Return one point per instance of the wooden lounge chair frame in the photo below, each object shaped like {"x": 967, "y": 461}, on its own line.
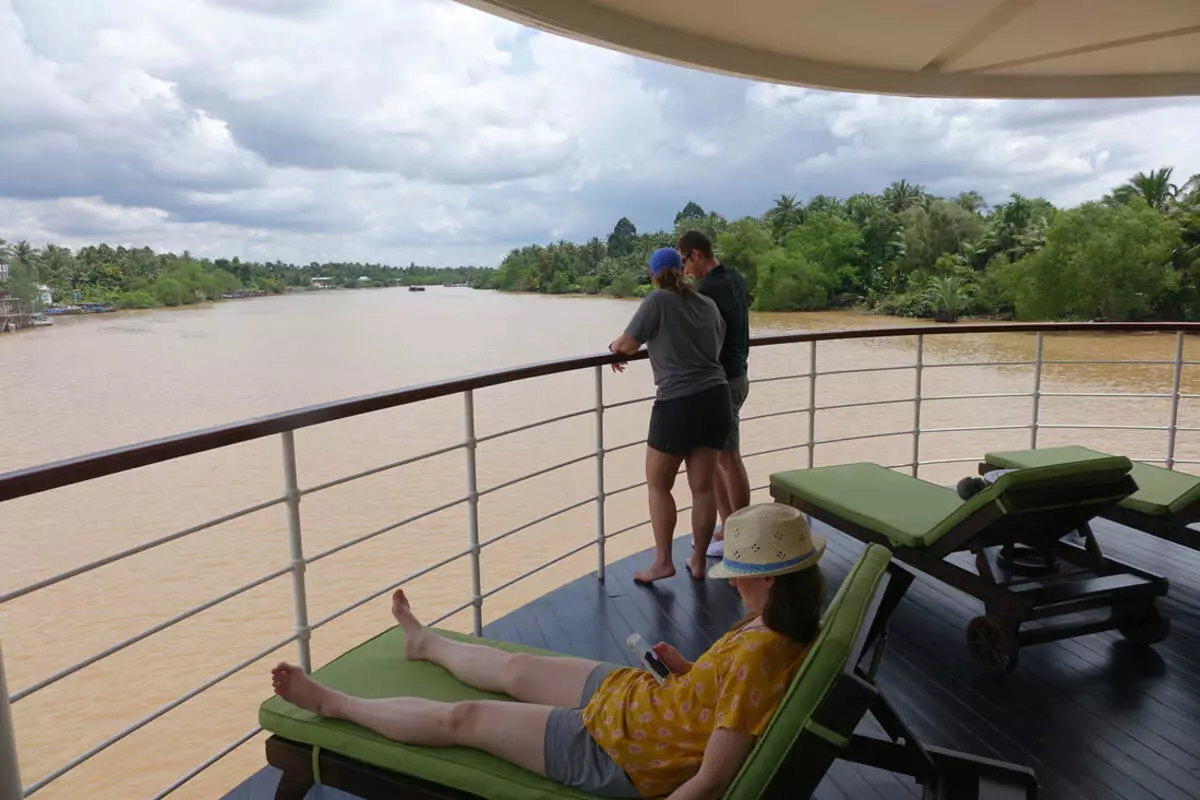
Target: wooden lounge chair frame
{"x": 1012, "y": 597}
{"x": 1172, "y": 528}
{"x": 829, "y": 735}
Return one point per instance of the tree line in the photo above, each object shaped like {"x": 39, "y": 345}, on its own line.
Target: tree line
{"x": 141, "y": 278}
{"x": 1133, "y": 254}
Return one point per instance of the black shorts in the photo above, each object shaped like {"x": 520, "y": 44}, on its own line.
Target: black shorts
{"x": 682, "y": 424}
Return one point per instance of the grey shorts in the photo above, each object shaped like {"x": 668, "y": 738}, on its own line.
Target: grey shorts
{"x": 573, "y": 758}
{"x": 739, "y": 390}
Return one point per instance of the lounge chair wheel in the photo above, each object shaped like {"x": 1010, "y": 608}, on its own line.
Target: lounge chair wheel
{"x": 993, "y": 643}
{"x": 1151, "y": 627}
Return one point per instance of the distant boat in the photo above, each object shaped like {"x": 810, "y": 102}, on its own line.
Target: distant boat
{"x": 416, "y": 288}
{"x": 40, "y": 321}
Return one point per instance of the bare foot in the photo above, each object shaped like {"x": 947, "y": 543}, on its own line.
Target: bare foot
{"x": 414, "y": 631}
{"x": 293, "y": 685}
{"x": 655, "y": 573}
{"x": 696, "y": 570}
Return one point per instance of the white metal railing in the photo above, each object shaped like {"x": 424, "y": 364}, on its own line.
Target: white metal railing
{"x": 10, "y": 782}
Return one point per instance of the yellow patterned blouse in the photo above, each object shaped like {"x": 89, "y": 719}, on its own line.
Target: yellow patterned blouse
{"x": 657, "y": 734}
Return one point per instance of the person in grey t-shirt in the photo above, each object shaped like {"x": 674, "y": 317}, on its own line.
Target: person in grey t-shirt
{"x": 693, "y": 411}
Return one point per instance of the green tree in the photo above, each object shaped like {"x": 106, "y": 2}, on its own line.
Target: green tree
{"x": 1099, "y": 262}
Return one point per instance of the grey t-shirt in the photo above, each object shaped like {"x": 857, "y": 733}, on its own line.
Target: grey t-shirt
{"x": 683, "y": 333}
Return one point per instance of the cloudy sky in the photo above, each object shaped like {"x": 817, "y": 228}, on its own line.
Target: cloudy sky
{"x": 422, "y": 130}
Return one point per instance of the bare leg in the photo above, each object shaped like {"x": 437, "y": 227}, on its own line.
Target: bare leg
{"x": 734, "y": 480}
{"x": 723, "y": 508}
{"x": 551, "y": 681}
{"x": 513, "y": 731}
{"x": 661, "y": 469}
{"x": 701, "y": 474}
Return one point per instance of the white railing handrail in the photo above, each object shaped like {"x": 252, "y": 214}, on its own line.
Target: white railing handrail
{"x": 37, "y": 479}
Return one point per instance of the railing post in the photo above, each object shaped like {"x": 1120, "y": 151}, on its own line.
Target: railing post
{"x": 473, "y": 511}
{"x": 916, "y": 456}
{"x": 1037, "y": 391}
{"x": 291, "y": 491}
{"x": 10, "y": 774}
{"x": 600, "y": 472}
{"x": 812, "y": 401}
{"x": 1173, "y": 428}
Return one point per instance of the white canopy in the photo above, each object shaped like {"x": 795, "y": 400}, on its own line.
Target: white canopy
{"x": 946, "y": 48}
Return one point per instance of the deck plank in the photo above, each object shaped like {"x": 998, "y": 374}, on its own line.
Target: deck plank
{"x": 1097, "y": 719}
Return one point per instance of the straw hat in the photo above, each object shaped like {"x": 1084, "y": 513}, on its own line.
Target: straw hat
{"x": 767, "y": 539}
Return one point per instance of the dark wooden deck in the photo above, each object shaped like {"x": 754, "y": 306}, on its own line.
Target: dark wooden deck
{"x": 1096, "y": 718}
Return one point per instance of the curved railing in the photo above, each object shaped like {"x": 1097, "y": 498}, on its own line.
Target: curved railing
{"x": 51, "y": 476}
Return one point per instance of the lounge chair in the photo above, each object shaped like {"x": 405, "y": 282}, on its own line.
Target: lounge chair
{"x": 1025, "y": 570}
{"x": 1164, "y": 505}
{"x": 833, "y": 690}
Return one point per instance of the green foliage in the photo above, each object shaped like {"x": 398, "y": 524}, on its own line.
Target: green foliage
{"x": 1099, "y": 262}
{"x": 1134, "y": 255}
{"x": 141, "y": 278}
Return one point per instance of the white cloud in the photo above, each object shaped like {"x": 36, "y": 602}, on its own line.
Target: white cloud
{"x": 398, "y": 130}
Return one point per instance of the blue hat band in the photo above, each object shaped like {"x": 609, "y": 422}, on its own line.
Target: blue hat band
{"x": 742, "y": 566}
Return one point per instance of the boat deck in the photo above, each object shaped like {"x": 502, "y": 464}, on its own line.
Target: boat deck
{"x": 1096, "y": 718}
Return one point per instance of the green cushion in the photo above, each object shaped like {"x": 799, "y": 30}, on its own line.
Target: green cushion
{"x": 1161, "y": 492}
{"x": 826, "y": 660}
{"x": 378, "y": 668}
{"x": 902, "y": 508}
{"x": 912, "y": 512}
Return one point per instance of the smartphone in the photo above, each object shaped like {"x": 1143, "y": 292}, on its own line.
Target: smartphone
{"x": 651, "y": 661}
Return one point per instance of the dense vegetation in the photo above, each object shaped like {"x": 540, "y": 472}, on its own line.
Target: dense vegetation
{"x": 1133, "y": 254}
{"x": 141, "y": 278}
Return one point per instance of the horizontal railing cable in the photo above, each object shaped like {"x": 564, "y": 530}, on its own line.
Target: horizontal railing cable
{"x": 133, "y": 551}
{"x": 224, "y": 751}
{"x": 861, "y": 436}
{"x": 633, "y": 402}
{"x": 623, "y": 489}
{"x": 980, "y": 428}
{"x": 376, "y": 470}
{"x": 532, "y": 425}
{"x": 337, "y": 548}
{"x": 984, "y": 396}
{"x": 625, "y": 446}
{"x": 526, "y": 525}
{"x": 865, "y": 404}
{"x": 771, "y": 450}
{"x": 772, "y": 414}
{"x": 774, "y": 378}
{"x": 540, "y": 567}
{"x": 135, "y": 727}
{"x": 950, "y": 364}
{"x": 537, "y": 473}
{"x": 389, "y": 588}
{"x": 160, "y": 627}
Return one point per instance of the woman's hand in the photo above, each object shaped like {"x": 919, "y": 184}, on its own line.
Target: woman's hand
{"x": 672, "y": 658}
{"x": 614, "y": 347}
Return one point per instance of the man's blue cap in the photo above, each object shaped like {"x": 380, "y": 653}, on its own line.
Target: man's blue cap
{"x": 665, "y": 258}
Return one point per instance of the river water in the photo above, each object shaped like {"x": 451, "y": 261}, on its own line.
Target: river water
{"x": 91, "y": 383}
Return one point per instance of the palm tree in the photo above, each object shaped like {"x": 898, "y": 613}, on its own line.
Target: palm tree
{"x": 1155, "y": 188}
{"x": 902, "y": 194}
{"x": 972, "y": 201}
{"x": 785, "y": 215}
{"x": 949, "y": 297}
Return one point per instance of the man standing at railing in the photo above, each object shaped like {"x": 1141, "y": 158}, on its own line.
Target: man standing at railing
{"x": 726, "y": 288}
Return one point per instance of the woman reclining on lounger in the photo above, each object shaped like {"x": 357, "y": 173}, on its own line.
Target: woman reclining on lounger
{"x": 614, "y": 730}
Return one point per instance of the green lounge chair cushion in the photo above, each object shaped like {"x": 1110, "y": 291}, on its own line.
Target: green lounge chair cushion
{"x": 1161, "y": 492}
{"x": 377, "y": 668}
{"x": 840, "y": 627}
{"x": 912, "y": 512}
